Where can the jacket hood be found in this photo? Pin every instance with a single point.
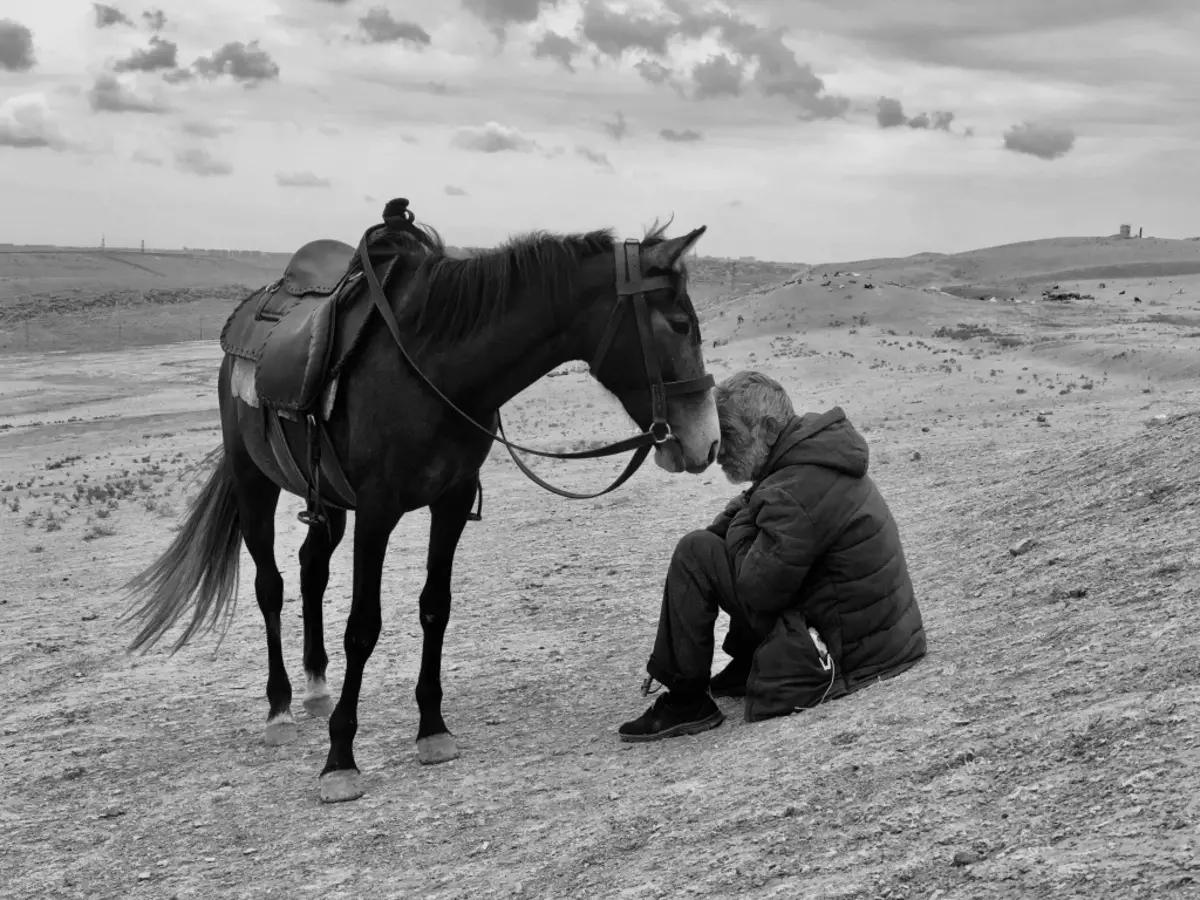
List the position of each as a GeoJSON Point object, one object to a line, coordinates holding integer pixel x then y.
{"type": "Point", "coordinates": [820, 439]}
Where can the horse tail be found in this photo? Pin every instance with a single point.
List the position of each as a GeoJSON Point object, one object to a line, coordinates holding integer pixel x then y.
{"type": "Point", "coordinates": [200, 568]}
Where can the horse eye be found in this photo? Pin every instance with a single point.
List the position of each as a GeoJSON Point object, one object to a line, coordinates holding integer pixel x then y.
{"type": "Point", "coordinates": [680, 325]}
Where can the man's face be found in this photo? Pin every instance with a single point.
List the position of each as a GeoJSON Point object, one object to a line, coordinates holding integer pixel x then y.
{"type": "Point", "coordinates": [743, 451]}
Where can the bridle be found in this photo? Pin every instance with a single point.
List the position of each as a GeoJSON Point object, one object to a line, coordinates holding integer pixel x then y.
{"type": "Point", "coordinates": [631, 287]}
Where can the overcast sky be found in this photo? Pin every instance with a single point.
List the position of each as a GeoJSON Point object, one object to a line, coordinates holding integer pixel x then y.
{"type": "Point", "coordinates": [801, 130]}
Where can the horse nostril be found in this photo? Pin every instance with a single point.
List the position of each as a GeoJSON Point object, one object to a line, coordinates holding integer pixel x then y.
{"type": "Point", "coordinates": [712, 451]}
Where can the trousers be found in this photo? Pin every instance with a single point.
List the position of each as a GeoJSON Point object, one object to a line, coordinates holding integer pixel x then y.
{"type": "Point", "coordinates": [700, 583]}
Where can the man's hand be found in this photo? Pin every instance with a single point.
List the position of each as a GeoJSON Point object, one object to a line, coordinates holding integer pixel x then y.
{"type": "Point", "coordinates": [720, 525]}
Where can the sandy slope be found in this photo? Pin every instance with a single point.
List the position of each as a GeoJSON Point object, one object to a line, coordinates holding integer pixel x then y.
{"type": "Point", "coordinates": [1048, 746]}
{"type": "Point", "coordinates": [1049, 259]}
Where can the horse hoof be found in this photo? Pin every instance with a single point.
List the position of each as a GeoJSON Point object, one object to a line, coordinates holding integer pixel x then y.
{"type": "Point", "coordinates": [282, 731]}
{"type": "Point", "coordinates": [340, 785]}
{"type": "Point", "coordinates": [319, 706]}
{"type": "Point", "coordinates": [437, 748]}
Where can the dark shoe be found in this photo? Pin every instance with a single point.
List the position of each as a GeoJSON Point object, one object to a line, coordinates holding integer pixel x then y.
{"type": "Point", "coordinates": [731, 680]}
{"type": "Point", "coordinates": [671, 716]}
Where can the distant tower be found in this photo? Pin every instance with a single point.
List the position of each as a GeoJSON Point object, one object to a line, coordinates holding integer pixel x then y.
{"type": "Point", "coordinates": [101, 242]}
{"type": "Point", "coordinates": [1139, 231]}
{"type": "Point", "coordinates": [1125, 230]}
{"type": "Point", "coordinates": [143, 246]}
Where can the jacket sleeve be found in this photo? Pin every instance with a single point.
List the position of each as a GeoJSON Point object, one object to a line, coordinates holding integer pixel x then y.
{"type": "Point", "coordinates": [785, 548]}
{"type": "Point", "coordinates": [720, 525]}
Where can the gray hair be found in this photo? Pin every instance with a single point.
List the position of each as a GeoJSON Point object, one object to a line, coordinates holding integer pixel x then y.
{"type": "Point", "coordinates": [752, 397]}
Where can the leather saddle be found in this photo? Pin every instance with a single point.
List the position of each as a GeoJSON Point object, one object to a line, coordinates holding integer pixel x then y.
{"type": "Point", "coordinates": [300, 331]}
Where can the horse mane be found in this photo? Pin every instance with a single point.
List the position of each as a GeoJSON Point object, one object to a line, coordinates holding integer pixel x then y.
{"type": "Point", "coordinates": [466, 295]}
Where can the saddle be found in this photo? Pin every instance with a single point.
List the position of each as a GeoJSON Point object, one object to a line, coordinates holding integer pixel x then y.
{"type": "Point", "coordinates": [291, 339]}
{"type": "Point", "coordinates": [300, 331]}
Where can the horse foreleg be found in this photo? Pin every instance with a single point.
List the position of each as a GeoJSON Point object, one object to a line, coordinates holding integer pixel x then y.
{"type": "Point", "coordinates": [448, 516]}
{"type": "Point", "coordinates": [315, 553]}
{"type": "Point", "coordinates": [340, 778]}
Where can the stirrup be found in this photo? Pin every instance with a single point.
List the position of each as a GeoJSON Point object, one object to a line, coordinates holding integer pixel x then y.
{"type": "Point", "coordinates": [312, 516]}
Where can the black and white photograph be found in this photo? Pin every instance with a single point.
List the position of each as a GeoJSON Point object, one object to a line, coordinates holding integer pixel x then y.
{"type": "Point", "coordinates": [600, 449]}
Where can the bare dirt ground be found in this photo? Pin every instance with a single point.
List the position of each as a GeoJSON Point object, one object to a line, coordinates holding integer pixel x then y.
{"type": "Point", "coordinates": [1039, 457]}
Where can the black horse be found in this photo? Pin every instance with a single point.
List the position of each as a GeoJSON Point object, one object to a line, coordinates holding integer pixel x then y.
{"type": "Point", "coordinates": [472, 333]}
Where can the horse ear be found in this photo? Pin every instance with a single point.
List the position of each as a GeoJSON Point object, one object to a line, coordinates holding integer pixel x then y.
{"type": "Point", "coordinates": [665, 255]}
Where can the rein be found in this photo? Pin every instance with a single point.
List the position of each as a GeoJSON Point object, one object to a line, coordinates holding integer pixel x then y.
{"type": "Point", "coordinates": [631, 286]}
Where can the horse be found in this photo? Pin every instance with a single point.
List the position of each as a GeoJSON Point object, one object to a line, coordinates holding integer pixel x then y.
{"type": "Point", "coordinates": [412, 429]}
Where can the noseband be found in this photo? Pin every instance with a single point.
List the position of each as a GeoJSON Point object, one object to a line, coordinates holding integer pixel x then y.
{"type": "Point", "coordinates": [631, 286]}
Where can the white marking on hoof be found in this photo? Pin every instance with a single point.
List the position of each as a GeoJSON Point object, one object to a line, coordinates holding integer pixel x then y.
{"type": "Point", "coordinates": [317, 699]}
{"type": "Point", "coordinates": [340, 786]}
{"type": "Point", "coordinates": [281, 729]}
{"type": "Point", "coordinates": [437, 748]}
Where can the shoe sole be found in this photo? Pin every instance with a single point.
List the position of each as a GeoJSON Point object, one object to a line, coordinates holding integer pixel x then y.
{"type": "Point", "coordinates": [678, 731]}
{"type": "Point", "coordinates": [728, 692]}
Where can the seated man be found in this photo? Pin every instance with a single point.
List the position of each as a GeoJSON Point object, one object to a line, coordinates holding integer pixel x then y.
{"type": "Point", "coordinates": [807, 563]}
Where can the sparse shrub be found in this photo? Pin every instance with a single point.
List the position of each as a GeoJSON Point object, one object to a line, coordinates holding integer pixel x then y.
{"type": "Point", "coordinates": [964, 332]}
{"type": "Point", "coordinates": [99, 530]}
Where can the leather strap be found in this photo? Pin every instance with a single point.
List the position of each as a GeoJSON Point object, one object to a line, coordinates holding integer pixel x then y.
{"type": "Point", "coordinates": [284, 457]}
{"type": "Point", "coordinates": [632, 466]}
{"type": "Point", "coordinates": [333, 470]}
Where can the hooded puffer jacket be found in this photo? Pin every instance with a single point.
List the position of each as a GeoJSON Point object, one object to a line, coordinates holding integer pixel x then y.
{"type": "Point", "coordinates": [813, 545]}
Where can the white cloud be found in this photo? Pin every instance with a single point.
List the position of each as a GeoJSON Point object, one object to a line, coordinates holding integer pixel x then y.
{"type": "Point", "coordinates": [301, 180]}
{"type": "Point", "coordinates": [27, 122]}
{"type": "Point", "coordinates": [493, 138]}
{"type": "Point", "coordinates": [198, 161]}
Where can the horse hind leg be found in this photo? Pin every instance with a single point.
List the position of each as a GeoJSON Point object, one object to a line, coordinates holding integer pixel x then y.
{"type": "Point", "coordinates": [257, 501]}
{"type": "Point", "coordinates": [435, 744]}
{"type": "Point", "coordinates": [315, 554]}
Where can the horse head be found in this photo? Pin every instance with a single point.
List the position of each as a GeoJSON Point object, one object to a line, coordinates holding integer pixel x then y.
{"type": "Point", "coordinates": [643, 342]}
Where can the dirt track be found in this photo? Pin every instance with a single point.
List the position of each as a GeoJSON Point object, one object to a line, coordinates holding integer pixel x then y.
{"type": "Point", "coordinates": [1048, 747]}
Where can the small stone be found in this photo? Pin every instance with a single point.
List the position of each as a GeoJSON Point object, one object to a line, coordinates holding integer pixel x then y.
{"type": "Point", "coordinates": [916, 456]}
{"type": "Point", "coordinates": [1023, 547]}
{"type": "Point", "coordinates": [143, 876]}
{"type": "Point", "coordinates": [965, 858]}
